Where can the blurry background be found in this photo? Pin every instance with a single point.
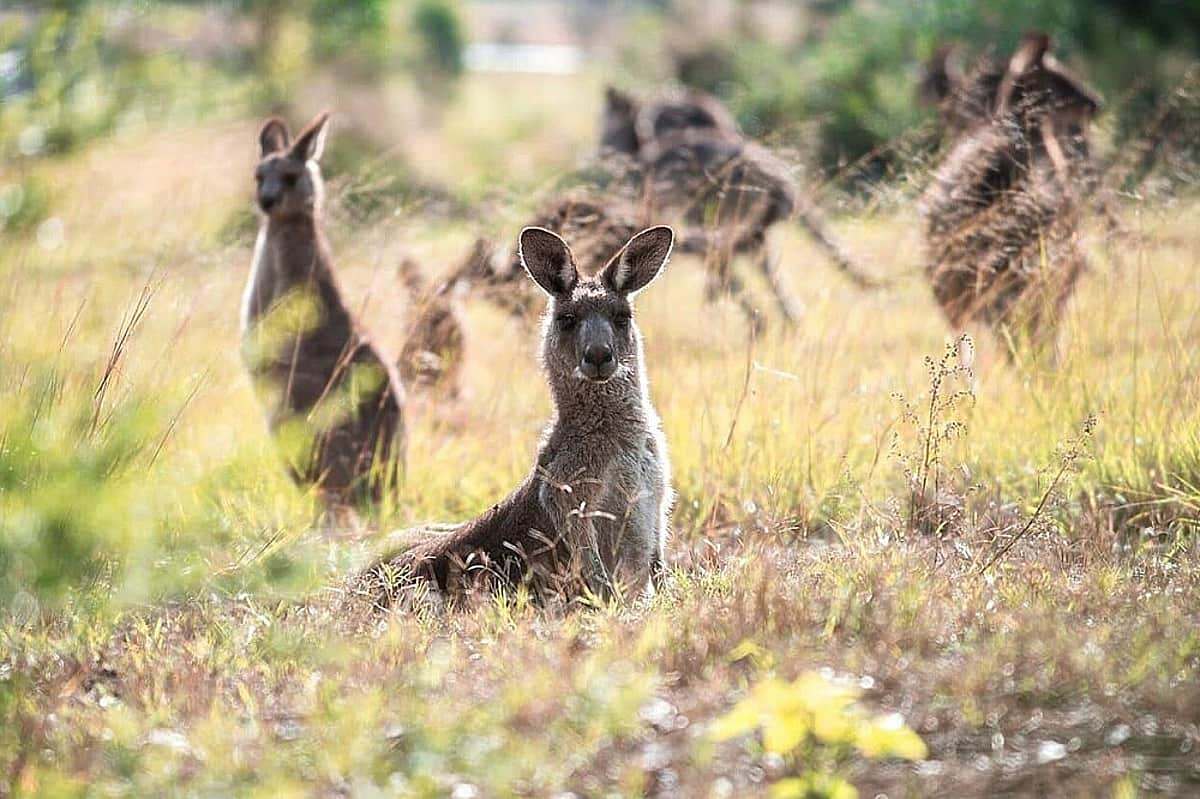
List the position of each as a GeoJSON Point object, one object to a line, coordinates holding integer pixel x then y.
{"type": "Point", "coordinates": [127, 142]}
{"type": "Point", "coordinates": [444, 98]}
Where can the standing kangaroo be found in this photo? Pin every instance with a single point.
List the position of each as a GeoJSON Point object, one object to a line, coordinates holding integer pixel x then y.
{"type": "Point", "coordinates": [333, 403]}
{"type": "Point", "coordinates": [592, 514]}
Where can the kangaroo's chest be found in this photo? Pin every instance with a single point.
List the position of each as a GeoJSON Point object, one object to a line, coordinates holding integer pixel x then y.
{"type": "Point", "coordinates": [630, 504]}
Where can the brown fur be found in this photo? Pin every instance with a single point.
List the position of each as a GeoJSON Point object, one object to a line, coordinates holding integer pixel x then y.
{"type": "Point", "coordinates": [335, 401]}
{"type": "Point", "coordinates": [692, 162]}
{"type": "Point", "coordinates": [596, 227]}
{"type": "Point", "coordinates": [1002, 212]}
{"type": "Point", "coordinates": [431, 359]}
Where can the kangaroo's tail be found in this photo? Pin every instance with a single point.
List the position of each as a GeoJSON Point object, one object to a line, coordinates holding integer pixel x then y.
{"type": "Point", "coordinates": [812, 221]}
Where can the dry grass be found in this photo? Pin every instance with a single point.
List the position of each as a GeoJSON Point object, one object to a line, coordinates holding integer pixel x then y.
{"type": "Point", "coordinates": [192, 665]}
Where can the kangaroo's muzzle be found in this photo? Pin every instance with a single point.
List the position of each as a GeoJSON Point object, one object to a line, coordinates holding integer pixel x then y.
{"type": "Point", "coordinates": [597, 361]}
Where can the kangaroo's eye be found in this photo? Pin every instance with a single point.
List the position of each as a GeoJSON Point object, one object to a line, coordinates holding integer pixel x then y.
{"type": "Point", "coordinates": [565, 321]}
{"type": "Point", "coordinates": [622, 320]}
{"type": "Point", "coordinates": [289, 181]}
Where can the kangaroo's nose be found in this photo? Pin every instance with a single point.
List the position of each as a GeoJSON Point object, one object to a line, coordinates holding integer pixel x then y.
{"type": "Point", "coordinates": [598, 355]}
{"type": "Point", "coordinates": [267, 201]}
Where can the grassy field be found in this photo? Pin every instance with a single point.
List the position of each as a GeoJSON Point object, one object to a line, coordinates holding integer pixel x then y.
{"type": "Point", "coordinates": [1001, 556]}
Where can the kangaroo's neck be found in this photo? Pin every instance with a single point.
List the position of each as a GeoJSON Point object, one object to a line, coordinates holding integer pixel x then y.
{"type": "Point", "coordinates": [615, 413]}
{"type": "Point", "coordinates": [289, 254]}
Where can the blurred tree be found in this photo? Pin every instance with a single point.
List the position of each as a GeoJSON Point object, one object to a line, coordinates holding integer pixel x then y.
{"type": "Point", "coordinates": [353, 31]}
{"type": "Point", "coordinates": [438, 27]}
{"type": "Point", "coordinates": [441, 43]}
{"type": "Point", "coordinates": [858, 79]}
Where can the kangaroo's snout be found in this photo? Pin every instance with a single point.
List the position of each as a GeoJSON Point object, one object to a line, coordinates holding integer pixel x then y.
{"type": "Point", "coordinates": [267, 200]}
{"type": "Point", "coordinates": [597, 361]}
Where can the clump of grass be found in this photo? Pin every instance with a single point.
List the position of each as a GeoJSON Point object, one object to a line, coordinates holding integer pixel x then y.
{"type": "Point", "coordinates": [935, 421]}
{"type": "Point", "coordinates": [1070, 454]}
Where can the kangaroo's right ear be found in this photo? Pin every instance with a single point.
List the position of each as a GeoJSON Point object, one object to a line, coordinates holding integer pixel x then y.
{"type": "Point", "coordinates": [1030, 53]}
{"type": "Point", "coordinates": [273, 136]}
{"type": "Point", "coordinates": [548, 260]}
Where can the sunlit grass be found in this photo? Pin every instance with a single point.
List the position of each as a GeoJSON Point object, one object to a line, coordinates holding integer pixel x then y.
{"type": "Point", "coordinates": [177, 635]}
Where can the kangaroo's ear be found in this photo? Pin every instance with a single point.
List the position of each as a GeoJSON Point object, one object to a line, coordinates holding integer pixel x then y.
{"type": "Point", "coordinates": [617, 100]}
{"type": "Point", "coordinates": [639, 261]}
{"type": "Point", "coordinates": [548, 260]}
{"type": "Point", "coordinates": [273, 136]}
{"type": "Point", "coordinates": [1029, 54]}
{"type": "Point", "coordinates": [310, 143]}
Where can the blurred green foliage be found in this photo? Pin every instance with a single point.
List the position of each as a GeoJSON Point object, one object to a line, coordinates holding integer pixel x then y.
{"type": "Point", "coordinates": [70, 80]}
{"type": "Point", "coordinates": [857, 78]}
{"type": "Point", "coordinates": [442, 39]}
{"type": "Point", "coordinates": [23, 203]}
{"type": "Point", "coordinates": [357, 27]}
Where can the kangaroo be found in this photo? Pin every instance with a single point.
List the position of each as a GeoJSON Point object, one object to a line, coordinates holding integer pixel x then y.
{"type": "Point", "coordinates": [431, 359]}
{"type": "Point", "coordinates": [692, 161]}
{"type": "Point", "coordinates": [592, 514]}
{"type": "Point", "coordinates": [334, 404]}
{"type": "Point", "coordinates": [1002, 213]}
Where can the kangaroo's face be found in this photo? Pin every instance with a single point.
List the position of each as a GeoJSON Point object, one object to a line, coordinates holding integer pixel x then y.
{"type": "Point", "coordinates": [287, 177]}
{"type": "Point", "coordinates": [589, 332]}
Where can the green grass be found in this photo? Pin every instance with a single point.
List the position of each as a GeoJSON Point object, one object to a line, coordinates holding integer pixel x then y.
{"type": "Point", "coordinates": [168, 627]}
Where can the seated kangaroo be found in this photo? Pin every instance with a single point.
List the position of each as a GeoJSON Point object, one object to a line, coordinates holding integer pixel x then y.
{"type": "Point", "coordinates": [333, 403]}
{"type": "Point", "coordinates": [592, 514]}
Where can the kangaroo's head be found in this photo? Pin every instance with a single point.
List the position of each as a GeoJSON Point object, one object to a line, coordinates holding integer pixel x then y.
{"type": "Point", "coordinates": [618, 122]}
{"type": "Point", "coordinates": [589, 332]}
{"type": "Point", "coordinates": [288, 178]}
{"type": "Point", "coordinates": [1036, 86]}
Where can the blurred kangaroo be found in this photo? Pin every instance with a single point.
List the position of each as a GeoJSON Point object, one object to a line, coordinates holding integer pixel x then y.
{"type": "Point", "coordinates": [431, 359]}
{"type": "Point", "coordinates": [334, 404]}
{"type": "Point", "coordinates": [690, 158]}
{"type": "Point", "coordinates": [1031, 83]}
{"type": "Point", "coordinates": [597, 225]}
{"type": "Point", "coordinates": [1002, 212]}
{"type": "Point", "coordinates": [592, 514]}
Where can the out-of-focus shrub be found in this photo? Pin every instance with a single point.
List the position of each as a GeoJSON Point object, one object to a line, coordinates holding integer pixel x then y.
{"type": "Point", "coordinates": [440, 45]}
{"type": "Point", "coordinates": [855, 74]}
{"type": "Point", "coordinates": [24, 203]}
{"type": "Point", "coordinates": [353, 32]}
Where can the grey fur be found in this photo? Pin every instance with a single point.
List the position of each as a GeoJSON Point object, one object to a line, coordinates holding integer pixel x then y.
{"type": "Point", "coordinates": [592, 514]}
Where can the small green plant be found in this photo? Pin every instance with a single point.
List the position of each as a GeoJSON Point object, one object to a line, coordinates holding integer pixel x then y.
{"type": "Point", "coordinates": [1070, 454]}
{"type": "Point", "coordinates": [936, 420]}
{"type": "Point", "coordinates": [816, 725]}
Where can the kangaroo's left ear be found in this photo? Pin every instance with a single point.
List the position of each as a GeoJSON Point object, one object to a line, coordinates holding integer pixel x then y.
{"type": "Point", "coordinates": [310, 143]}
{"type": "Point", "coordinates": [639, 261]}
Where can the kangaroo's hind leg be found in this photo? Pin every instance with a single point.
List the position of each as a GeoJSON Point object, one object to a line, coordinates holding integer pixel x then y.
{"type": "Point", "coordinates": [767, 262]}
